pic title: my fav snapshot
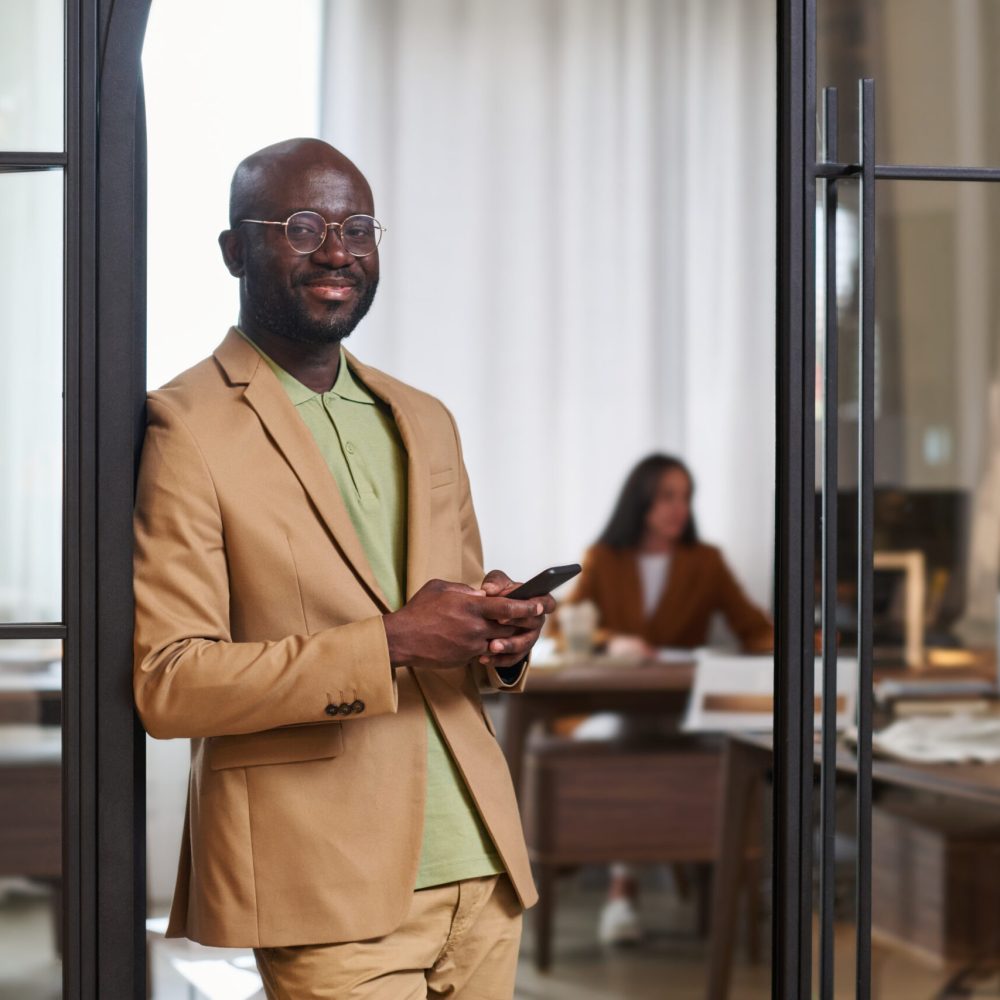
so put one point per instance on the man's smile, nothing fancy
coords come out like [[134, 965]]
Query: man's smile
[[330, 288]]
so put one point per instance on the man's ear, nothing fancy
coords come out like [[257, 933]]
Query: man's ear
[[231, 244]]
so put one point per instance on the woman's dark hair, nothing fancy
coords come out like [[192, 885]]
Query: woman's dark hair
[[628, 520]]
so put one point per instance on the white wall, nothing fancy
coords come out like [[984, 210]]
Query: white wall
[[222, 79]]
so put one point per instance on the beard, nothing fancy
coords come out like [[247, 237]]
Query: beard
[[278, 309]]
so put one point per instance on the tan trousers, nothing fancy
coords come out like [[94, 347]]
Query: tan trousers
[[459, 941]]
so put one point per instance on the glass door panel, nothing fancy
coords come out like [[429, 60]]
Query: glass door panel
[[32, 381], [32, 55], [31, 395], [934, 498], [932, 62]]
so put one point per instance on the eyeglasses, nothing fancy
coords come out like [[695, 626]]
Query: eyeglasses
[[306, 232]]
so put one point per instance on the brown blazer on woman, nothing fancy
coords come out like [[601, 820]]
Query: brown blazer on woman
[[698, 585]]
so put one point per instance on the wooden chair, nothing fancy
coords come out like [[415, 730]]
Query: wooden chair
[[594, 802]]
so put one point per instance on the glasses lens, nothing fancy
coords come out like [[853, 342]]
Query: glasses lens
[[360, 235], [305, 231]]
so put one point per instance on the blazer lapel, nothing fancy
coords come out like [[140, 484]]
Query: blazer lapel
[[243, 365], [418, 475]]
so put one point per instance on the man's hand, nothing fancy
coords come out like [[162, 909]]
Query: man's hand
[[509, 651], [449, 624]]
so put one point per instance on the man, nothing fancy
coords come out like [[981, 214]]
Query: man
[[311, 611]]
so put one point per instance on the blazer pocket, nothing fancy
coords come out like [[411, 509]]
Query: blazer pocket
[[276, 746], [443, 477]]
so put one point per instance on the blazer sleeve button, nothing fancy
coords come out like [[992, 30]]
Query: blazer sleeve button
[[345, 708], [358, 706], [331, 709]]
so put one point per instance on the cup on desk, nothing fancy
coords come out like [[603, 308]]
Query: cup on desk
[[578, 623]]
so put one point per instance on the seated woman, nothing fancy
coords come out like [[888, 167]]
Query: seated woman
[[654, 584]]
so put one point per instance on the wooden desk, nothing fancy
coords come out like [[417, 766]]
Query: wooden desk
[[650, 687], [748, 759], [592, 685]]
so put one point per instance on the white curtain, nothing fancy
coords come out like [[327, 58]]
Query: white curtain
[[579, 197]]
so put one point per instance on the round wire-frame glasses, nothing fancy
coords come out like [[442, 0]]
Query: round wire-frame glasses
[[306, 232]]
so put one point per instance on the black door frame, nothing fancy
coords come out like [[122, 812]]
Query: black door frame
[[104, 759], [799, 170], [795, 499]]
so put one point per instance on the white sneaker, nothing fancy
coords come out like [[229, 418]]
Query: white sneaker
[[619, 923]]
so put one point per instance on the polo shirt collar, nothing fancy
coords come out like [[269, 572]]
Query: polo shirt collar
[[346, 385]]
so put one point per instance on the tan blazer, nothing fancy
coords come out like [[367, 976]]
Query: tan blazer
[[258, 634], [699, 585]]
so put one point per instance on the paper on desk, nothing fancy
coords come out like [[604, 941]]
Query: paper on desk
[[933, 739], [736, 693]]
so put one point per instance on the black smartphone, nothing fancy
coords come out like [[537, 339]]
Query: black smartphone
[[545, 582]]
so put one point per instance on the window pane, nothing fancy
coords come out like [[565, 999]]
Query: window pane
[[31, 75], [31, 384], [938, 418], [935, 85], [937, 567], [31, 830]]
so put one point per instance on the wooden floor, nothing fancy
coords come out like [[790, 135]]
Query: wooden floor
[[669, 965]]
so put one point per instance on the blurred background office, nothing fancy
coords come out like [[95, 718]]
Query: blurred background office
[[571, 264], [580, 261]]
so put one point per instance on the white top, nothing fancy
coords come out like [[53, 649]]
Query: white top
[[654, 568]]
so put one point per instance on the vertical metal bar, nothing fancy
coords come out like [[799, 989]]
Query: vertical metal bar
[[866, 495], [71, 867], [807, 641], [85, 581], [793, 722], [80, 853], [119, 394], [828, 767]]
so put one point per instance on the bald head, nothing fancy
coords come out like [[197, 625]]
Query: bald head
[[261, 181], [312, 298]]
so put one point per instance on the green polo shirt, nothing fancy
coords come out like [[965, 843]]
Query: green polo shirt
[[358, 439]]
